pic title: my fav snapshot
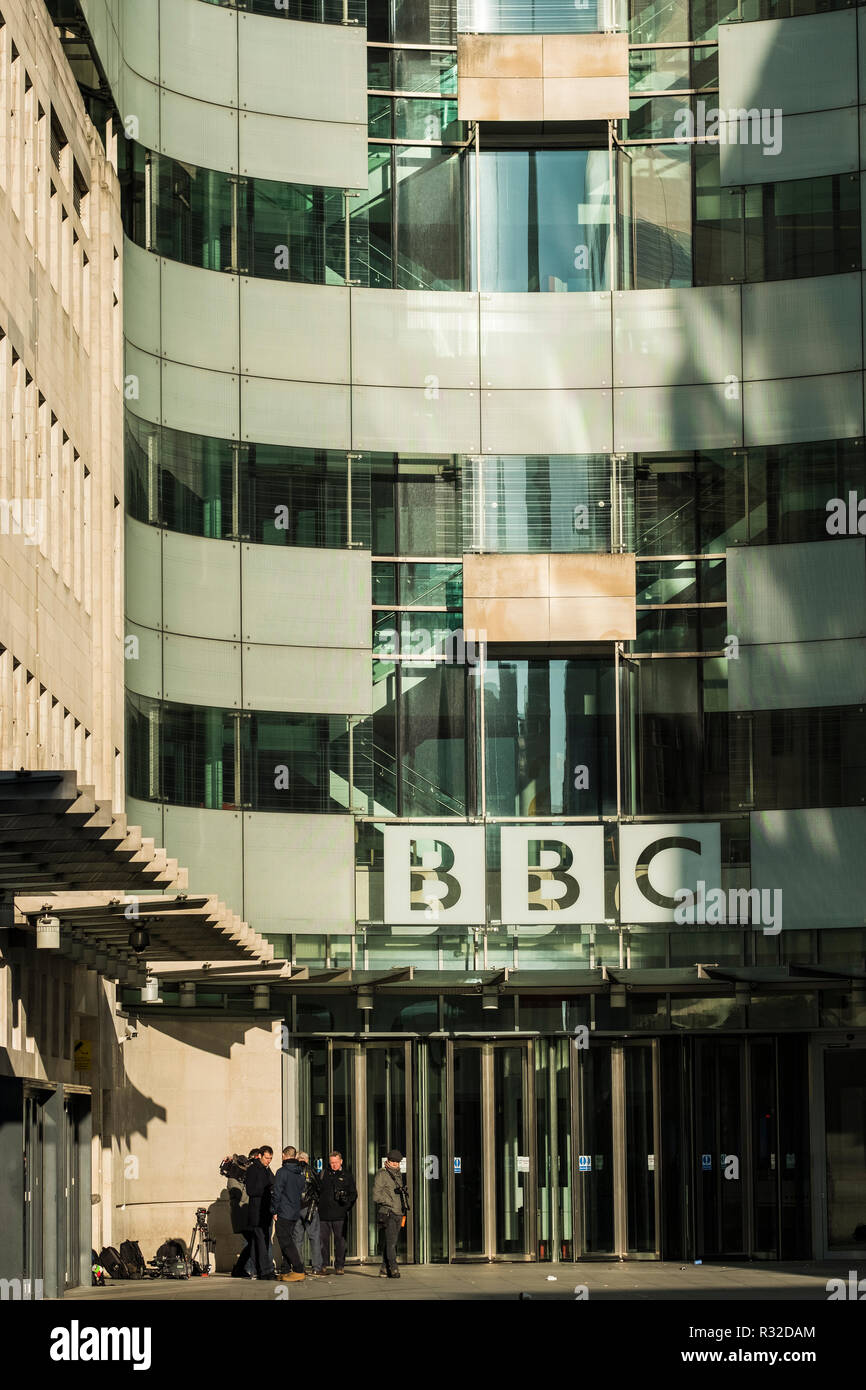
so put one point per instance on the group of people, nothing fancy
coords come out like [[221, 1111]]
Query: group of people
[[307, 1207]]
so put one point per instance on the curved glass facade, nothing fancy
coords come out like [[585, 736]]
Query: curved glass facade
[[419, 755], [672, 503], [227, 759], [545, 221]]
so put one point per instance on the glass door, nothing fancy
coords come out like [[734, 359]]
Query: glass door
[[844, 1078], [719, 1099], [34, 1137], [617, 1150], [71, 1182], [389, 1111], [491, 1168]]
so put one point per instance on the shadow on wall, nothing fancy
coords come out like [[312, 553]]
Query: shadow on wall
[[227, 1242]]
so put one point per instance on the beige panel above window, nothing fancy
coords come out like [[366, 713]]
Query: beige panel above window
[[537, 77], [555, 598]]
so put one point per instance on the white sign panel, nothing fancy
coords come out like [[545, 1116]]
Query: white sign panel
[[552, 875], [434, 874], [658, 860]]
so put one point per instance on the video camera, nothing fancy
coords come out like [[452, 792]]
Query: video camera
[[235, 1166]]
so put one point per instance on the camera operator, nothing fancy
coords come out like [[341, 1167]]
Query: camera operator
[[391, 1197], [337, 1196], [234, 1169]]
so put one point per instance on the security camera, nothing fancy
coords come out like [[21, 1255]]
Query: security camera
[[130, 1032]]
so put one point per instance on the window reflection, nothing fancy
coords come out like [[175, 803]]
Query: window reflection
[[543, 721], [545, 220]]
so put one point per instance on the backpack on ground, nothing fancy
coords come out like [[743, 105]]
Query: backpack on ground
[[171, 1250], [130, 1253], [111, 1262]]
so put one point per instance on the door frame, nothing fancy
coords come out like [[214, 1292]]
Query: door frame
[[618, 1047], [487, 1047], [364, 1049], [818, 1048]]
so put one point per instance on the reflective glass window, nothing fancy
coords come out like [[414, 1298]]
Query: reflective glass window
[[680, 630], [420, 21], [410, 756], [189, 755], [544, 220], [295, 762], [803, 227], [296, 232], [193, 213], [681, 581], [431, 118], [658, 69], [416, 505], [371, 236], [784, 759], [544, 720], [528, 503], [661, 236], [433, 739], [689, 503], [651, 22], [295, 496], [428, 185], [425, 72], [791, 484], [183, 754], [719, 247], [530, 17], [655, 118]]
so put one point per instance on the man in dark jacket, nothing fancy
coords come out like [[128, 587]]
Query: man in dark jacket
[[391, 1199], [286, 1199], [258, 1182], [337, 1196]]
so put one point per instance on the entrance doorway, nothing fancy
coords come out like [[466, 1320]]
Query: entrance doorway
[[839, 1108], [489, 1158]]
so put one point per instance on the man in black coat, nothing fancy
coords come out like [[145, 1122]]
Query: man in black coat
[[286, 1199], [337, 1196], [259, 1181]]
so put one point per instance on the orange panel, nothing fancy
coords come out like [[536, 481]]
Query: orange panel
[[499, 99], [588, 576], [507, 619], [502, 55], [592, 620], [585, 98], [585, 55], [505, 576]]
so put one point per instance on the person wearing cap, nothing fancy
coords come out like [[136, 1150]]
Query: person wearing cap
[[392, 1203]]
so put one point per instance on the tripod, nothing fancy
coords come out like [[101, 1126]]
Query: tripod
[[200, 1243]]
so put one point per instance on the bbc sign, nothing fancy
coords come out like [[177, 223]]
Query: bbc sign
[[556, 873]]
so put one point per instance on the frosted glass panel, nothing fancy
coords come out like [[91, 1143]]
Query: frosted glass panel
[[201, 586]]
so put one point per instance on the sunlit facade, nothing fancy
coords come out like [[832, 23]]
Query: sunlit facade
[[488, 592]]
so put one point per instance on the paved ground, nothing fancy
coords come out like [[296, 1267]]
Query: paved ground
[[642, 1280]]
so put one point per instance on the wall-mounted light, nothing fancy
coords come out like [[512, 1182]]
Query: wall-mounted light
[[617, 997], [490, 997], [187, 994], [139, 939], [261, 997], [47, 933], [365, 998], [150, 991]]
